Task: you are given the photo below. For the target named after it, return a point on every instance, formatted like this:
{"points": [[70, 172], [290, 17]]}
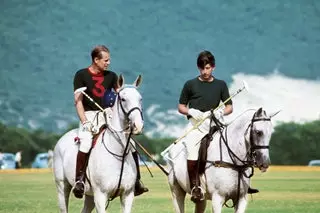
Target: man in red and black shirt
{"points": [[97, 79]]}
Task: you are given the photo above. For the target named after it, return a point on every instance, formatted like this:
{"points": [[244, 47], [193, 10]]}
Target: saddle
{"points": [[205, 142]]}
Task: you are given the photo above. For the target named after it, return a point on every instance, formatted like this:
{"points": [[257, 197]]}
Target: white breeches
{"points": [[193, 139], [97, 119]]}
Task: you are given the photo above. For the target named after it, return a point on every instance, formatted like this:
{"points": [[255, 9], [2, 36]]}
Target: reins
{"points": [[241, 169], [118, 137], [122, 166], [126, 149]]}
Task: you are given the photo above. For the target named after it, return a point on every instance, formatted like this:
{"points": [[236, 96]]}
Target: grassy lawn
{"points": [[280, 192]]}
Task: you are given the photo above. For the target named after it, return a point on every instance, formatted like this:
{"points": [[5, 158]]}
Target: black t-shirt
{"points": [[203, 95], [96, 85]]}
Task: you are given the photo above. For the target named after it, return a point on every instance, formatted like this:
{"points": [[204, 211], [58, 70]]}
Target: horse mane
{"points": [[243, 117]]}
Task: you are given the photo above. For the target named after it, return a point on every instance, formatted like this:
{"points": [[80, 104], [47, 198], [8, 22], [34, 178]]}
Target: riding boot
{"points": [[139, 188], [196, 194], [78, 189], [252, 190]]}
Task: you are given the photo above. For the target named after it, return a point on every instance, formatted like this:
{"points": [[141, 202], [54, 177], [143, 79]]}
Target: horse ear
{"points": [[138, 81], [274, 113], [120, 81], [259, 112]]}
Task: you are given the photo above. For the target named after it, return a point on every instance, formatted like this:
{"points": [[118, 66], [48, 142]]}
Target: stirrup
{"points": [[79, 182], [198, 197]]}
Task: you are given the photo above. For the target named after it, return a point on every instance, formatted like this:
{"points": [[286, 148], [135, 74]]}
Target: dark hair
{"points": [[96, 52], [204, 58]]}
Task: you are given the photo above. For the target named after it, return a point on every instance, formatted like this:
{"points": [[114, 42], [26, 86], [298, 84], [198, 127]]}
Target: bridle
{"points": [[253, 146], [116, 132], [250, 158], [127, 114], [127, 145]]}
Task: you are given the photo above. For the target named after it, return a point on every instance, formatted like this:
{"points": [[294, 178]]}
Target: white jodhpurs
{"points": [[97, 119], [193, 140]]}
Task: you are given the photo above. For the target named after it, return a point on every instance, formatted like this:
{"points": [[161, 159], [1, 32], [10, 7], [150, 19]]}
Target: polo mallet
{"points": [[82, 89], [149, 155], [245, 86]]}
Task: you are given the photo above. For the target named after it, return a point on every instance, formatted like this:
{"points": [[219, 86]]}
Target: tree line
{"points": [[291, 143]]}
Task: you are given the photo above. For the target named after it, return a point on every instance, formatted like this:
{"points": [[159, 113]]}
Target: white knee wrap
{"points": [[85, 141], [97, 120], [192, 142]]}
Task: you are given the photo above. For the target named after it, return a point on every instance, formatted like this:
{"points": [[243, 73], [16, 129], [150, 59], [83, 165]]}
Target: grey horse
{"points": [[230, 162], [110, 154]]}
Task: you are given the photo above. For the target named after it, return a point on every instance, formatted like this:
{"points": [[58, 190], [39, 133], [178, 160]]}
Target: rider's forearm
{"points": [[79, 107], [80, 112], [228, 109], [183, 109]]}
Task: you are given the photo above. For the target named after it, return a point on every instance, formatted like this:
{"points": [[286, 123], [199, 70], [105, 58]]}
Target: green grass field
{"points": [[281, 192]]}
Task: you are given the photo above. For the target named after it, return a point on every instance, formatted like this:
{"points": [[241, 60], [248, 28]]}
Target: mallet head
{"points": [[245, 86], [81, 89]]}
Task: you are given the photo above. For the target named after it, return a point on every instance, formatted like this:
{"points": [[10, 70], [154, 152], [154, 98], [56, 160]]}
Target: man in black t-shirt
{"points": [[98, 80], [198, 97]]}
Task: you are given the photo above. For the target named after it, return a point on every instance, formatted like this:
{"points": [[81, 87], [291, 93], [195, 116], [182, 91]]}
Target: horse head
{"points": [[129, 105], [258, 137]]}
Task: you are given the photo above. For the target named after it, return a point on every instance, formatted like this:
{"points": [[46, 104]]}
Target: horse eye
{"points": [[122, 99], [259, 133]]}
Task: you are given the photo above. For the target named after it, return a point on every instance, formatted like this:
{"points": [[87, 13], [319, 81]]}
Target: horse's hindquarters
{"points": [[178, 163], [64, 159]]}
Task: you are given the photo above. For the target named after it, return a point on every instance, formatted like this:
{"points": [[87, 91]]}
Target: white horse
{"points": [[229, 165], [110, 154]]}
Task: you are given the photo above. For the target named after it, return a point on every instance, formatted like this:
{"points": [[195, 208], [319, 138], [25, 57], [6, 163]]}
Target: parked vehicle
{"points": [[40, 161], [143, 161], [314, 163], [8, 161]]}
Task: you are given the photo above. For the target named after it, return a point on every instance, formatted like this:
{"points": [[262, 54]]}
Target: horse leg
{"points": [[126, 202], [88, 204], [100, 200], [178, 196], [200, 206], [242, 204], [217, 202], [64, 189]]}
